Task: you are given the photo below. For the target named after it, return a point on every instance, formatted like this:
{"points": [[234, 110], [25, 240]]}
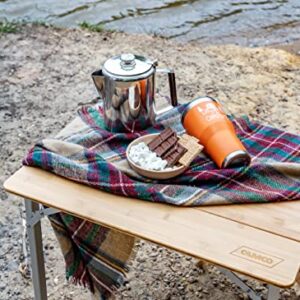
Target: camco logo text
{"points": [[257, 256]]}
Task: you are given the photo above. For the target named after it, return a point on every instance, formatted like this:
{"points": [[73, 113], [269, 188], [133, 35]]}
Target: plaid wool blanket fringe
{"points": [[87, 153], [95, 256]]}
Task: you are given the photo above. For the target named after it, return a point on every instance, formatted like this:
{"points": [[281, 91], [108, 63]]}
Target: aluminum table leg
{"points": [[273, 292], [36, 252], [240, 283]]}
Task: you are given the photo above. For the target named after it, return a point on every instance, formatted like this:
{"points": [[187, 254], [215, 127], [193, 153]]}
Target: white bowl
{"points": [[164, 174]]}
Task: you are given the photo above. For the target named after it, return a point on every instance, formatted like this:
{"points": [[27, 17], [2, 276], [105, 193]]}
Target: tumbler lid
{"points": [[194, 103]]}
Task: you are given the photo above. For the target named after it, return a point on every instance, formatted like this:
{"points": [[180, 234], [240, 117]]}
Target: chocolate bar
{"points": [[169, 147], [164, 135], [174, 154], [166, 145]]}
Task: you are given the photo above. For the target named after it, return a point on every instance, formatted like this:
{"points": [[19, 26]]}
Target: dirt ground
{"points": [[45, 78]]}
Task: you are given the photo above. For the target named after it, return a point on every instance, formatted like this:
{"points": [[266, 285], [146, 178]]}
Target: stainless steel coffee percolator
{"points": [[126, 83]]}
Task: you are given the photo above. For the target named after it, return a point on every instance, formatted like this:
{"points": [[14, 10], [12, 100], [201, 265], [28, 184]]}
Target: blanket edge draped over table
{"points": [[87, 153]]}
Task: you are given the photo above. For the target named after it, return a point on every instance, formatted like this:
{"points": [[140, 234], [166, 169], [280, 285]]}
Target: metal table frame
{"points": [[35, 212]]}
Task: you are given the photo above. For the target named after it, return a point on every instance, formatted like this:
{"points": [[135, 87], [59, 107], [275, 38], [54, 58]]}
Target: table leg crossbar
{"points": [[35, 212]]}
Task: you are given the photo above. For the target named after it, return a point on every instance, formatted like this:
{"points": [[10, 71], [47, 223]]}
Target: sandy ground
{"points": [[45, 78]]}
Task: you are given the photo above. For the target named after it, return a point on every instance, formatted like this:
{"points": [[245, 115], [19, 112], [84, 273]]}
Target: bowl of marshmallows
{"points": [[163, 155]]}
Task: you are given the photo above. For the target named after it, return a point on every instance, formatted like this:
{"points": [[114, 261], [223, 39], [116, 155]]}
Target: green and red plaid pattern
{"points": [[274, 174], [96, 157]]}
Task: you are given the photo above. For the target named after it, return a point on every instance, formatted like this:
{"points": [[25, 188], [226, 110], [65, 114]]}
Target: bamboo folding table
{"points": [[258, 240]]}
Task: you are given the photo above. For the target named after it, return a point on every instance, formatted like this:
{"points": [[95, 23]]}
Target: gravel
{"points": [[45, 78]]}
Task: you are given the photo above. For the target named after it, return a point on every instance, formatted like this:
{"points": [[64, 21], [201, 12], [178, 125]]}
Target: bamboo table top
{"points": [[259, 240]]}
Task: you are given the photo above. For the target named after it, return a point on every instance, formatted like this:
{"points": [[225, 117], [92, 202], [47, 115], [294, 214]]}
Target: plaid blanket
{"points": [[86, 152]]}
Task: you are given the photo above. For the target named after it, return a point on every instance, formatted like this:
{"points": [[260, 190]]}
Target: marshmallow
{"points": [[141, 155]]}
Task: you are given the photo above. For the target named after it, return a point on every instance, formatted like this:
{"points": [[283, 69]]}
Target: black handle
{"points": [[173, 91]]}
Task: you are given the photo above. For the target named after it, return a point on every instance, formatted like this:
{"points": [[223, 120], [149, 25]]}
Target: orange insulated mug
{"points": [[205, 119]]}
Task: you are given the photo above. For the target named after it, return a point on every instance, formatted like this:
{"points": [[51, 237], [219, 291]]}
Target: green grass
{"points": [[13, 27], [8, 27], [91, 27], [95, 27], [39, 23]]}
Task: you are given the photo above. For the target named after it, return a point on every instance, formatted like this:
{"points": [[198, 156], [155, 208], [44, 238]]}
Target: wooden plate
{"points": [[175, 171]]}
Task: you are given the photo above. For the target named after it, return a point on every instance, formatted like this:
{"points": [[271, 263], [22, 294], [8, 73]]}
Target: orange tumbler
{"points": [[205, 119]]}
